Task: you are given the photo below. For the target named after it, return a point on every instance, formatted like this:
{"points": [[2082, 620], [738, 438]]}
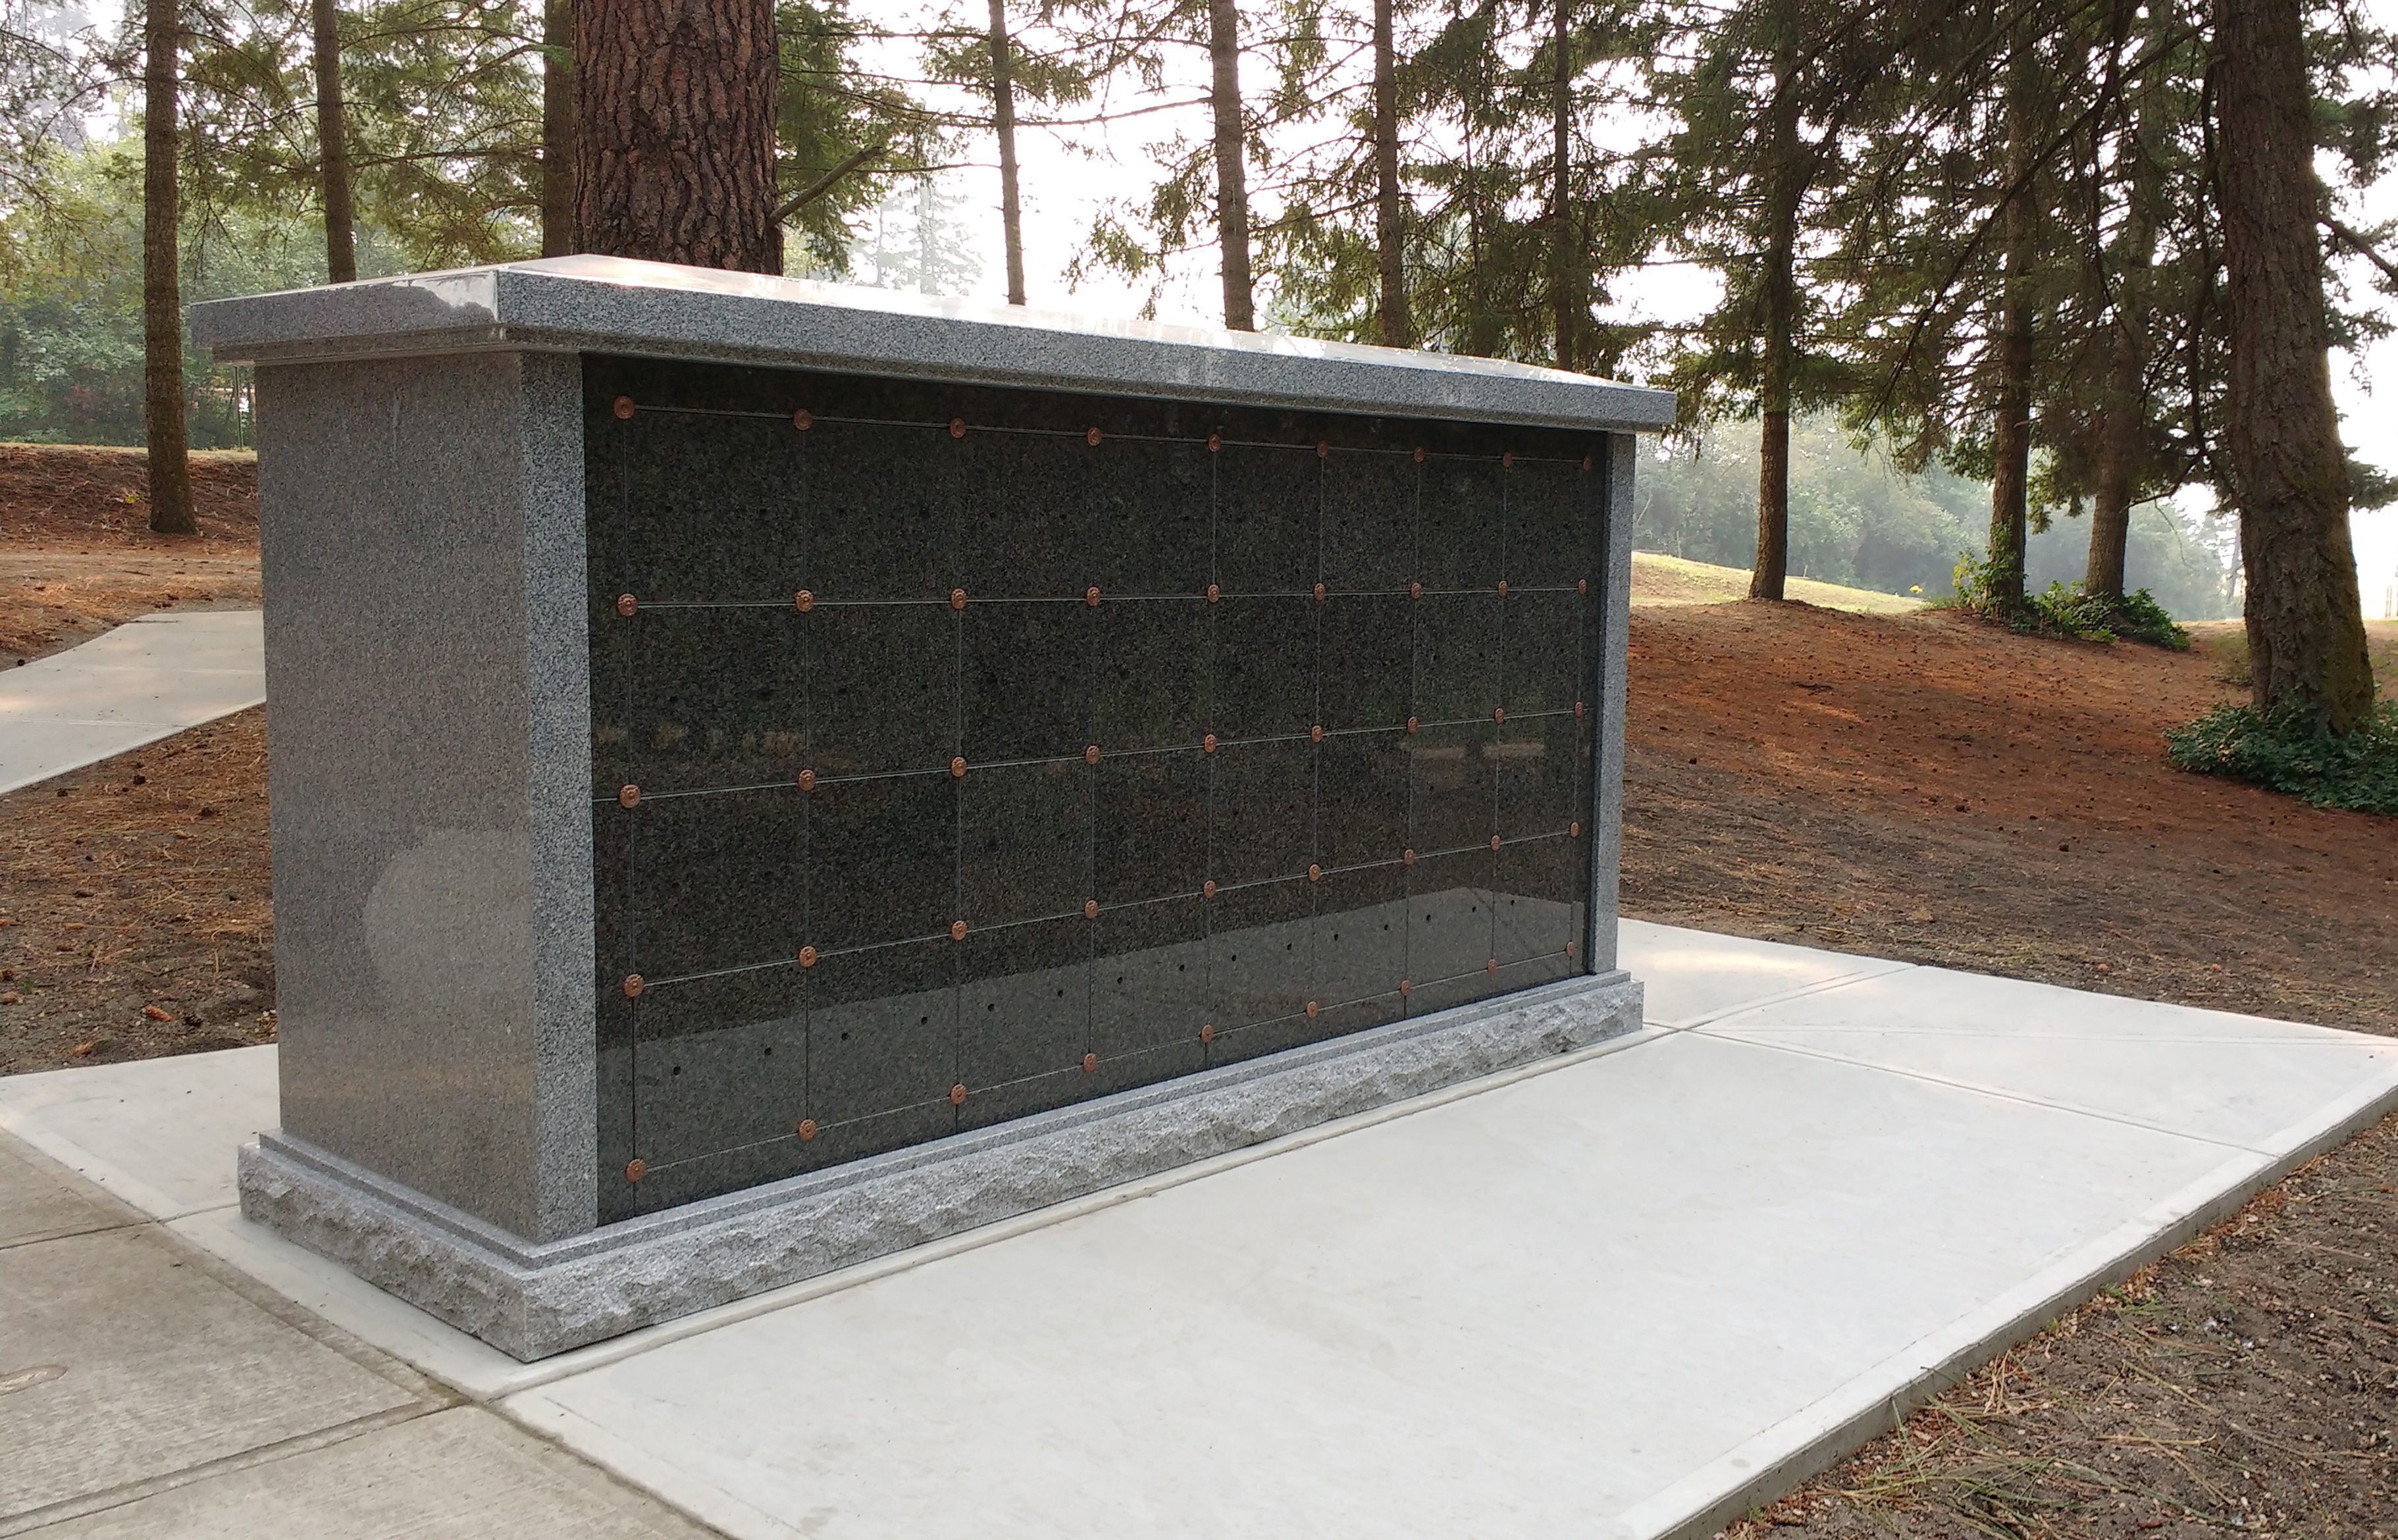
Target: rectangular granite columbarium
{"points": [[766, 774]]}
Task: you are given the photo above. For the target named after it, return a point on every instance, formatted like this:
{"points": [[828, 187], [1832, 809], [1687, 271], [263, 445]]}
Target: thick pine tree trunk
{"points": [[1565, 294], [558, 128], [162, 297], [674, 101], [2123, 430], [1231, 164], [333, 145], [1777, 304], [1390, 211], [2306, 623], [1003, 122], [2011, 450]]}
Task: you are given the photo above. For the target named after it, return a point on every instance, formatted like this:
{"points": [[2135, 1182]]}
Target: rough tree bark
{"points": [[2124, 428], [333, 145], [1565, 295], [1003, 120], [1390, 211], [2011, 449], [2305, 621], [1231, 164], [162, 297], [1777, 305], [675, 108], [558, 128]]}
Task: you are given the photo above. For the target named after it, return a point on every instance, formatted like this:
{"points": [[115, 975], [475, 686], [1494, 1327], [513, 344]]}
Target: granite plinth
{"points": [[532, 1300]]}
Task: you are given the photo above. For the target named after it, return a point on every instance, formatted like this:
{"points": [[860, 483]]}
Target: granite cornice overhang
{"points": [[610, 304]]}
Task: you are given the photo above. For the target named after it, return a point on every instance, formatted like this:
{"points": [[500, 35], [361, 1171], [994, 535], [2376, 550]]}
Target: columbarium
{"points": [[765, 774]]}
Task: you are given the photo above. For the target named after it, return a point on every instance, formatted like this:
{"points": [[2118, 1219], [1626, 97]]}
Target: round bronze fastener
{"points": [[1315, 733], [1503, 588], [957, 930], [1214, 593], [1311, 1008], [1415, 590], [1581, 585], [1411, 724], [1208, 744], [1315, 873], [1420, 454], [807, 956], [1573, 830], [624, 407], [1215, 442], [1498, 714], [1091, 595], [1090, 753], [1319, 591], [627, 605], [1406, 858], [957, 427], [1585, 463], [1507, 460], [803, 420], [1208, 1032], [1091, 435], [1090, 908], [807, 780], [1323, 450], [628, 796], [958, 769], [1579, 709], [1405, 989], [633, 986], [635, 1171], [807, 1130], [1494, 841], [1491, 966], [1570, 948], [804, 600], [1090, 1064], [957, 599], [1208, 889], [958, 1095]]}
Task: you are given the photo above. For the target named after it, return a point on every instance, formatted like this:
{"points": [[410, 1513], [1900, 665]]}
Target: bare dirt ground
{"points": [[76, 554], [1917, 786]]}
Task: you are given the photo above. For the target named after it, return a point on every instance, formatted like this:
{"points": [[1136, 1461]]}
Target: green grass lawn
{"points": [[1671, 580]]}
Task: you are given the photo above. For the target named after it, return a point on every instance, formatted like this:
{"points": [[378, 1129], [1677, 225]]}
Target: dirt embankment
{"points": [[76, 554]]}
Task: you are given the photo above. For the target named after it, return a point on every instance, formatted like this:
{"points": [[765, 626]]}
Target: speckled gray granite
{"points": [[532, 1300], [610, 304]]}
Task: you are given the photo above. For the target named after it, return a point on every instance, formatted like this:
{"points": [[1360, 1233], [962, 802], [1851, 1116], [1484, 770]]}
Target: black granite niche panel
{"points": [[962, 753]]}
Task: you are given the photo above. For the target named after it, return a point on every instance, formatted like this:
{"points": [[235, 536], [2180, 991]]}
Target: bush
{"points": [[2067, 610], [2290, 750]]}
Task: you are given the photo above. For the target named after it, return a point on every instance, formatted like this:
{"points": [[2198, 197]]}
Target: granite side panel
{"points": [[397, 542], [532, 1302], [1607, 779]]}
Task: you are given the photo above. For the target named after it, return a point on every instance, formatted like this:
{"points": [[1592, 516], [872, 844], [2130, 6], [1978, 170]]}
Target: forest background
{"points": [[445, 115]]}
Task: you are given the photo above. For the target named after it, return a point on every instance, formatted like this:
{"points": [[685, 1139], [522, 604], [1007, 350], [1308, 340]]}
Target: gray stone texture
{"points": [[1606, 782], [533, 1300], [422, 552], [611, 304]]}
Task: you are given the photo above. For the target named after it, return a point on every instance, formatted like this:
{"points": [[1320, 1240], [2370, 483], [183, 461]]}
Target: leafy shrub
{"points": [[2069, 609], [2290, 750]]}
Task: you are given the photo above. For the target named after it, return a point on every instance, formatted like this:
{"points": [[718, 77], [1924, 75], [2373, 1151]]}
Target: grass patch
{"points": [[2067, 609], [1660, 579], [2288, 750]]}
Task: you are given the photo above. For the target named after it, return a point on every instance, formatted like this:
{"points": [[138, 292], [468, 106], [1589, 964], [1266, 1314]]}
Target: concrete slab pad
{"points": [[158, 1133], [1695, 976], [132, 686], [136, 1364], [1532, 1311], [40, 1202], [2239, 1079], [464, 1474]]}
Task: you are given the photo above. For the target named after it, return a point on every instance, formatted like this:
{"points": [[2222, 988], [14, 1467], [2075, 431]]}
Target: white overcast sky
{"points": [[1066, 178]]}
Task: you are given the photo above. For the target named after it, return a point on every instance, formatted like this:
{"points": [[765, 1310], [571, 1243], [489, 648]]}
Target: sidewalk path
{"points": [[143, 681]]}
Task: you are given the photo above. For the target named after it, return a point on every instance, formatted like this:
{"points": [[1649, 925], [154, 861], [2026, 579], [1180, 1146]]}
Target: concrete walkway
{"points": [[1625, 1294], [145, 680]]}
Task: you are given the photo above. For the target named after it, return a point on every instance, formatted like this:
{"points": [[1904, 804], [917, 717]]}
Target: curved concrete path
{"points": [[147, 680]]}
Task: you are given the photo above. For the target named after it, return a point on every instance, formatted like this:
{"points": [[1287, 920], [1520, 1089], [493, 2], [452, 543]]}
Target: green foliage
{"points": [[2068, 610], [2290, 750]]}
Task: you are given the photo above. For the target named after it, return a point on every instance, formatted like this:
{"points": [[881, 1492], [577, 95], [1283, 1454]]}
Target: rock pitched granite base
{"points": [[534, 1300]]}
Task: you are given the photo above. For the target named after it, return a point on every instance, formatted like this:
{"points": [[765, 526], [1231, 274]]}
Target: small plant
{"points": [[2290, 750], [2068, 610]]}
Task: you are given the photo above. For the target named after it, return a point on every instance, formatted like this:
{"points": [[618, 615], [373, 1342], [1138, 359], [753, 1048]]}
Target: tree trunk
{"points": [[1390, 211], [558, 128], [1565, 294], [332, 146], [162, 299], [2123, 430], [674, 103], [2011, 450], [2306, 623], [1003, 121], [1231, 164], [1777, 304]]}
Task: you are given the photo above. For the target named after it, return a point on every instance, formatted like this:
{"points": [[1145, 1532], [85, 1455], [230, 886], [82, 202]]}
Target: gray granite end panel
{"points": [[534, 1300], [611, 304]]}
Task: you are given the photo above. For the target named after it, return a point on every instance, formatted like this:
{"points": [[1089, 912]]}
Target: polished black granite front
{"points": [[962, 752]]}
